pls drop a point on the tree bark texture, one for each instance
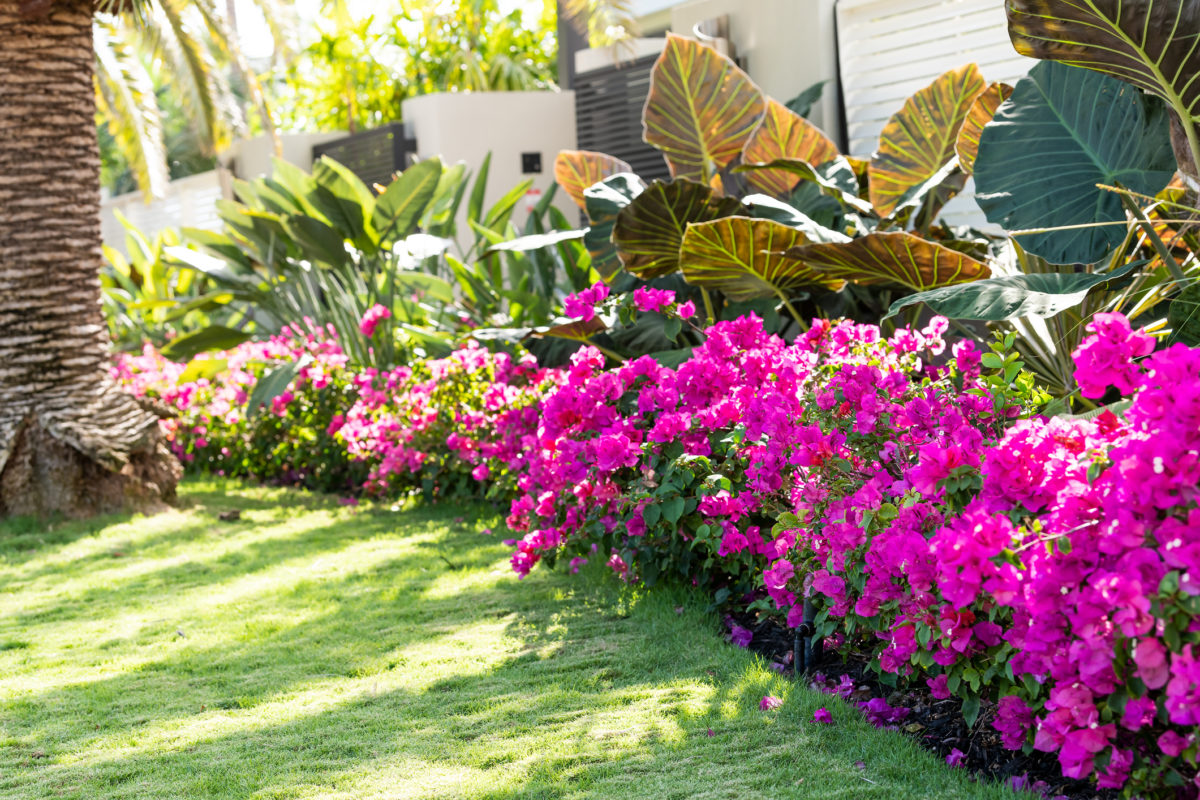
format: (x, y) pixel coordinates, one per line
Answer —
(71, 441)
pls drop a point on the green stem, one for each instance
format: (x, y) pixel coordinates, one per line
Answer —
(708, 307)
(795, 314)
(617, 357)
(1159, 246)
(1189, 127)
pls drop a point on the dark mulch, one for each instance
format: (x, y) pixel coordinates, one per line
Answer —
(937, 725)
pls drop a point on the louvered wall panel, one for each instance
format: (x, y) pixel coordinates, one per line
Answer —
(374, 155)
(608, 115)
(889, 49)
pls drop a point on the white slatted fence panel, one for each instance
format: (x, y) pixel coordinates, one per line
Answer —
(890, 49)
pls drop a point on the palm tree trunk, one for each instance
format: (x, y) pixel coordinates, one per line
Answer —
(70, 440)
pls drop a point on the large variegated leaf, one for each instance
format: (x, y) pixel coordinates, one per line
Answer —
(576, 170)
(1149, 43)
(742, 257)
(603, 202)
(784, 135)
(983, 110)
(1063, 131)
(919, 138)
(891, 258)
(650, 229)
(701, 109)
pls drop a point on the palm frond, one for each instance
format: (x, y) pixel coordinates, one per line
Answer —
(604, 22)
(193, 75)
(126, 100)
(223, 40)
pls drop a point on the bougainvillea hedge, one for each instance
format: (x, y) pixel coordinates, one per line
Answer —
(1042, 569)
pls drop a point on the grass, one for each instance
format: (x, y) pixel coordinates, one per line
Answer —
(317, 651)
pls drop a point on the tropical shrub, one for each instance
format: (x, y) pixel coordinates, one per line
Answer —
(1039, 568)
(328, 248)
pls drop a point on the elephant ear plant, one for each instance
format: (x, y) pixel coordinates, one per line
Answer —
(1111, 109)
(763, 211)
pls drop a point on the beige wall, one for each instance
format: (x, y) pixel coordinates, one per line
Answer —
(785, 45)
(251, 158)
(461, 126)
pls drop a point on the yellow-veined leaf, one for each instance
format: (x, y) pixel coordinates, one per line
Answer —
(784, 135)
(919, 138)
(891, 258)
(576, 170)
(650, 230)
(701, 109)
(743, 258)
(980, 114)
(1149, 43)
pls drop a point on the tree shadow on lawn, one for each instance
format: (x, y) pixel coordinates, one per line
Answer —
(239, 552)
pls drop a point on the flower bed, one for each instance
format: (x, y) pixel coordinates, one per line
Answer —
(1042, 570)
(336, 428)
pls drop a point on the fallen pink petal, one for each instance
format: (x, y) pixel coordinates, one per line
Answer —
(769, 703)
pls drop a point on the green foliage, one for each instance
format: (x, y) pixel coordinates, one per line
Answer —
(1041, 160)
(146, 299)
(356, 72)
(326, 247)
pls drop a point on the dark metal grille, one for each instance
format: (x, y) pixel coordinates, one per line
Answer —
(608, 115)
(373, 155)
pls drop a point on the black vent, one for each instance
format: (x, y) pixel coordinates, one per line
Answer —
(608, 115)
(374, 155)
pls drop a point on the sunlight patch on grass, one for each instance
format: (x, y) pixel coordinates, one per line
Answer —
(314, 651)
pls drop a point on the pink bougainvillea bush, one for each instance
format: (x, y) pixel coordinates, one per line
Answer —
(1043, 570)
(332, 427)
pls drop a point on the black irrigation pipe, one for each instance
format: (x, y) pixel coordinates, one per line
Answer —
(805, 652)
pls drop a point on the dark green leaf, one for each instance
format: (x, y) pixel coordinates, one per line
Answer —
(214, 337)
(405, 199)
(273, 384)
(1063, 131)
(1011, 296)
(763, 206)
(603, 202)
(802, 104)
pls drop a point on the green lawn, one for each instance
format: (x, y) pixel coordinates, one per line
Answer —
(313, 650)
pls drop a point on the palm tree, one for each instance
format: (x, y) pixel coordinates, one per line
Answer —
(71, 440)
